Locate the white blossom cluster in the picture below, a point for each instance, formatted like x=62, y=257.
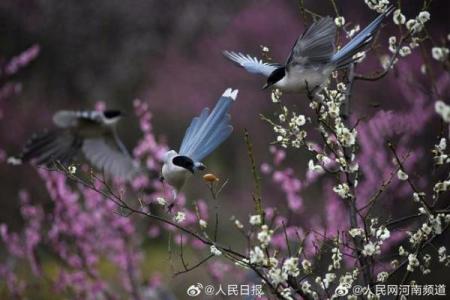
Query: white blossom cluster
x=336, y=258
x=433, y=226
x=257, y=256
x=378, y=5
x=337, y=135
x=375, y=239
x=306, y=288
x=414, y=27
x=439, y=155
x=290, y=267
x=286, y=293
x=264, y=236
x=326, y=281
x=340, y=138
x=413, y=262
x=442, y=186
x=343, y=190
x=290, y=130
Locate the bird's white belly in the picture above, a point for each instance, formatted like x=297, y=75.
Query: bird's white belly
x=296, y=80
x=175, y=176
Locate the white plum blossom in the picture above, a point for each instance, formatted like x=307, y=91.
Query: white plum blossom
x=72, y=169
x=402, y=175
x=402, y=251
x=423, y=17
x=382, y=276
x=414, y=26
x=343, y=190
x=398, y=17
x=307, y=266
x=315, y=168
x=392, y=44
x=299, y=120
x=443, y=257
x=265, y=49
x=371, y=249
x=442, y=186
x=353, y=31
x=354, y=232
x=161, y=201
x=413, y=262
x=257, y=256
x=202, y=223
x=440, y=53
x=418, y=196
x=215, y=251
x=277, y=276
x=404, y=51
x=273, y=262
x=346, y=137
x=425, y=266
x=383, y=233
x=264, y=236
x=290, y=266
x=238, y=224
x=339, y=21
x=336, y=257
x=442, y=144
x=286, y=293
x=329, y=278
x=255, y=220
x=443, y=110
x=276, y=95
x=180, y=217
x=439, y=155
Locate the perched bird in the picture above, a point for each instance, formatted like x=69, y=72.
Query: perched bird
x=205, y=133
x=91, y=132
x=313, y=57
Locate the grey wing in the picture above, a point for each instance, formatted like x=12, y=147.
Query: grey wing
x=70, y=118
x=104, y=154
x=59, y=145
x=316, y=45
x=251, y=64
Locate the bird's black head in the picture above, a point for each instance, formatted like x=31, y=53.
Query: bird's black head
x=184, y=162
x=112, y=114
x=275, y=76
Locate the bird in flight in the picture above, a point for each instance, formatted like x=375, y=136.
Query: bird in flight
x=205, y=133
x=93, y=133
x=313, y=57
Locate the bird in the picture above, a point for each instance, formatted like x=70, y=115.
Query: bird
x=313, y=57
x=204, y=134
x=92, y=133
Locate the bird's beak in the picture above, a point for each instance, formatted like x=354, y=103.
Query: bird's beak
x=265, y=86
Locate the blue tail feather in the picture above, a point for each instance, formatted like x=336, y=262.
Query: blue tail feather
x=359, y=43
x=208, y=131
